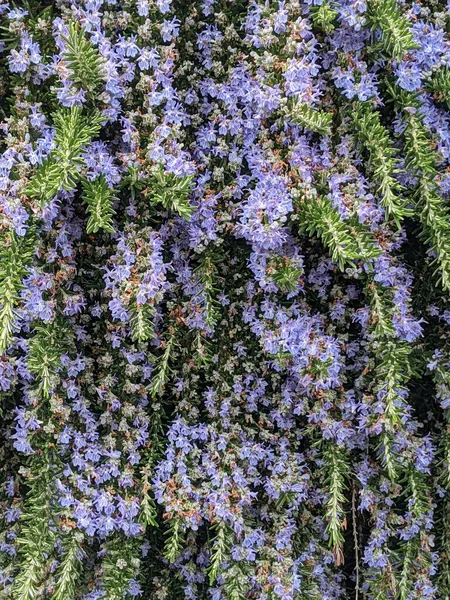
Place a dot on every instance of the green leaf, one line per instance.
(221, 546)
(70, 569)
(162, 368)
(99, 199)
(396, 36)
(15, 256)
(415, 554)
(347, 241)
(120, 565)
(237, 583)
(207, 273)
(336, 471)
(381, 310)
(47, 344)
(392, 374)
(422, 160)
(439, 85)
(82, 58)
(148, 514)
(285, 274)
(141, 322)
(174, 541)
(376, 141)
(37, 537)
(324, 16)
(311, 119)
(61, 170)
(172, 192)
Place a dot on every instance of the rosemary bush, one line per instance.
(224, 284)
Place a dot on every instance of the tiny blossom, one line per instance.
(224, 320)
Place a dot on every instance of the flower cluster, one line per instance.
(224, 282)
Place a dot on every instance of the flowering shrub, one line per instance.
(224, 282)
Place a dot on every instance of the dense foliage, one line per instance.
(224, 283)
